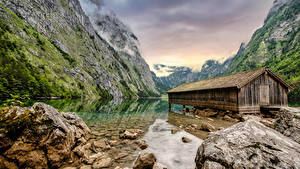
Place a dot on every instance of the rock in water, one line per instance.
(85, 167)
(186, 140)
(101, 144)
(174, 130)
(142, 144)
(40, 136)
(129, 135)
(145, 160)
(186, 110)
(248, 145)
(102, 163)
(159, 166)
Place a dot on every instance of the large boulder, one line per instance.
(40, 136)
(288, 123)
(248, 145)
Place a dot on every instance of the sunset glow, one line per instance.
(187, 33)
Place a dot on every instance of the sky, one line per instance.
(189, 32)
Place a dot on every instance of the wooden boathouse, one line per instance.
(244, 92)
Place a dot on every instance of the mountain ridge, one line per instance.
(58, 52)
(183, 74)
(275, 45)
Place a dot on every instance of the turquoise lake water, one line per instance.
(107, 118)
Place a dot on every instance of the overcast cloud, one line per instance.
(189, 32)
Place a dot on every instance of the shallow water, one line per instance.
(107, 119)
(169, 148)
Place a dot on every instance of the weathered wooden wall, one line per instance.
(249, 95)
(225, 99)
(265, 90)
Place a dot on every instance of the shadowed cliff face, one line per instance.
(76, 56)
(124, 41)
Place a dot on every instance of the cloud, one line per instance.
(187, 33)
(165, 70)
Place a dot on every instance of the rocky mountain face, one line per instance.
(161, 86)
(178, 76)
(126, 44)
(182, 74)
(52, 48)
(276, 45)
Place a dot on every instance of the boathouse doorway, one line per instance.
(264, 95)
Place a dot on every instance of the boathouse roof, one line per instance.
(237, 80)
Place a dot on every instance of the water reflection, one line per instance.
(96, 111)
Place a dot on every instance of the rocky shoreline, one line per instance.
(42, 137)
(254, 144)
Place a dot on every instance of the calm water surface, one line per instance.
(107, 118)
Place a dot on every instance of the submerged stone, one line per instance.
(186, 140)
(142, 144)
(129, 135)
(103, 163)
(145, 160)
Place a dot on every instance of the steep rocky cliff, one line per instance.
(276, 45)
(51, 48)
(126, 44)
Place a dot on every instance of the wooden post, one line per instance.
(170, 106)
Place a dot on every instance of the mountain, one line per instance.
(55, 48)
(276, 45)
(126, 44)
(182, 74)
(161, 86)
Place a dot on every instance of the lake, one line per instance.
(107, 119)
